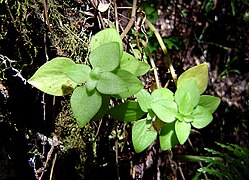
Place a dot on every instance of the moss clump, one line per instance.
(77, 155)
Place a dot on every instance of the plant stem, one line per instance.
(160, 40)
(132, 20)
(197, 158)
(45, 4)
(158, 84)
(116, 15)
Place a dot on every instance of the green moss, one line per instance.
(78, 144)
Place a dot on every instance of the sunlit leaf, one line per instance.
(104, 107)
(110, 83)
(106, 56)
(127, 111)
(142, 135)
(85, 104)
(209, 102)
(140, 55)
(187, 96)
(188, 118)
(106, 36)
(95, 73)
(91, 84)
(144, 99)
(132, 83)
(202, 117)
(131, 64)
(162, 93)
(168, 138)
(165, 110)
(78, 72)
(199, 73)
(182, 130)
(57, 77)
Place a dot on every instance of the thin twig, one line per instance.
(45, 4)
(132, 20)
(101, 21)
(98, 128)
(116, 15)
(116, 152)
(52, 168)
(180, 170)
(164, 49)
(152, 64)
(8, 65)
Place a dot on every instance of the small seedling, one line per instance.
(170, 115)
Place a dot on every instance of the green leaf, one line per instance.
(55, 78)
(104, 107)
(140, 55)
(91, 84)
(211, 103)
(95, 73)
(85, 104)
(110, 83)
(165, 110)
(199, 73)
(170, 44)
(182, 131)
(144, 99)
(150, 115)
(186, 105)
(131, 64)
(162, 93)
(150, 11)
(92, 81)
(106, 36)
(132, 83)
(202, 117)
(167, 137)
(106, 56)
(187, 96)
(127, 111)
(188, 119)
(142, 135)
(78, 72)
(209, 6)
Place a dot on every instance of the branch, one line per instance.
(132, 20)
(158, 84)
(160, 40)
(47, 19)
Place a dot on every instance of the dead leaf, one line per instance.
(103, 7)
